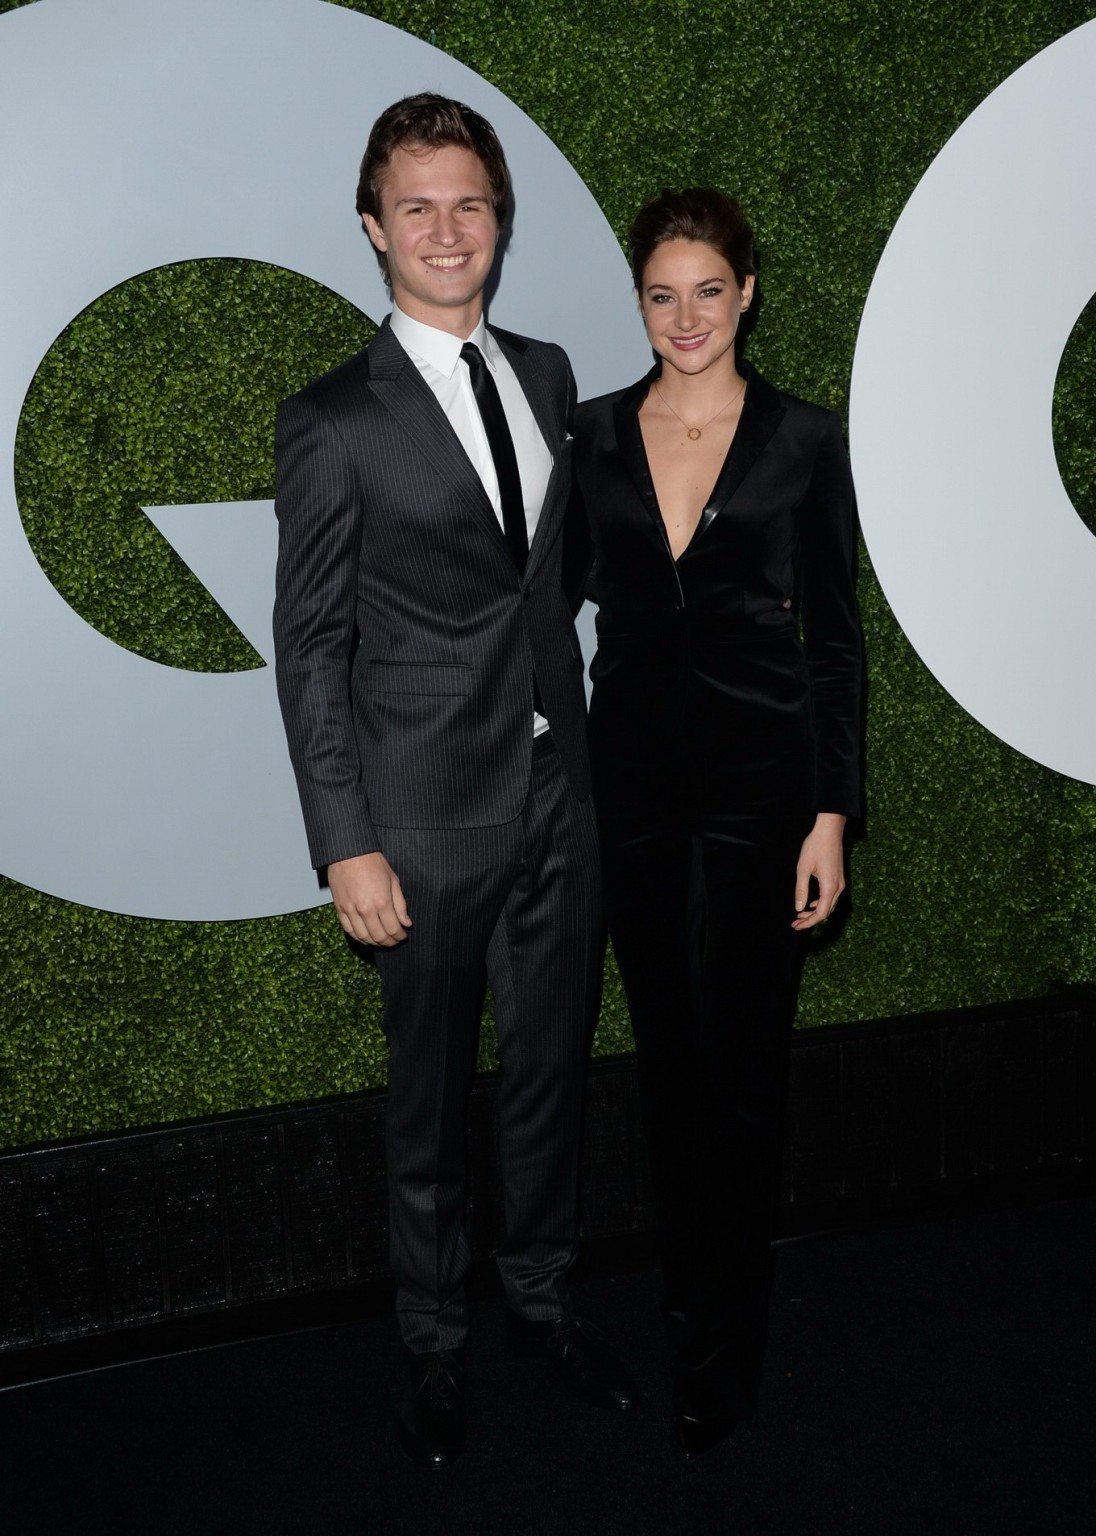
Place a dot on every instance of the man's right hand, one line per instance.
(369, 900)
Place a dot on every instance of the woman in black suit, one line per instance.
(725, 741)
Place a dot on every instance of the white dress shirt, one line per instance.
(436, 354)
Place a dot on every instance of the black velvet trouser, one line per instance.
(700, 921)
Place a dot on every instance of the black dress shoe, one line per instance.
(431, 1418)
(580, 1356)
(713, 1398)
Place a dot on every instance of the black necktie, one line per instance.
(502, 451)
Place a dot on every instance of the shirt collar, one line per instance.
(440, 349)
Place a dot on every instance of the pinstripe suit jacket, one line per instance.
(406, 639)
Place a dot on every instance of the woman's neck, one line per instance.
(698, 393)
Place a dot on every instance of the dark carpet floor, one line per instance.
(932, 1377)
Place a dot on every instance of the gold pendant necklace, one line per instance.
(695, 433)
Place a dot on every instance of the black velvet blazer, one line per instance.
(739, 664)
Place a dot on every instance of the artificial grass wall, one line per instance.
(975, 879)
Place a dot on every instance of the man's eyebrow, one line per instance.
(468, 197)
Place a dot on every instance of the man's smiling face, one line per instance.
(439, 232)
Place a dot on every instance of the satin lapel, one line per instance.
(399, 386)
(762, 413)
(630, 446)
(538, 391)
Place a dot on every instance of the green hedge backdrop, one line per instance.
(975, 879)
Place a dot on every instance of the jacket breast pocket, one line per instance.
(418, 677)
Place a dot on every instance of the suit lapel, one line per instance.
(762, 413)
(399, 386)
(535, 384)
(544, 403)
(630, 443)
(545, 406)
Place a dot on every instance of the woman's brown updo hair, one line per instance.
(709, 216)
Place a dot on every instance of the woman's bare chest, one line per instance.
(684, 472)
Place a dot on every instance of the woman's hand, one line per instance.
(823, 856)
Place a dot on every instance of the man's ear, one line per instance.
(374, 231)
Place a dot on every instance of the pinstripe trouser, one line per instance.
(524, 901)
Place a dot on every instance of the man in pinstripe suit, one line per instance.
(431, 685)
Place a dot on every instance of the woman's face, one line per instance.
(692, 304)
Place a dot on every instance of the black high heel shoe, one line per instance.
(699, 1429)
(712, 1398)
